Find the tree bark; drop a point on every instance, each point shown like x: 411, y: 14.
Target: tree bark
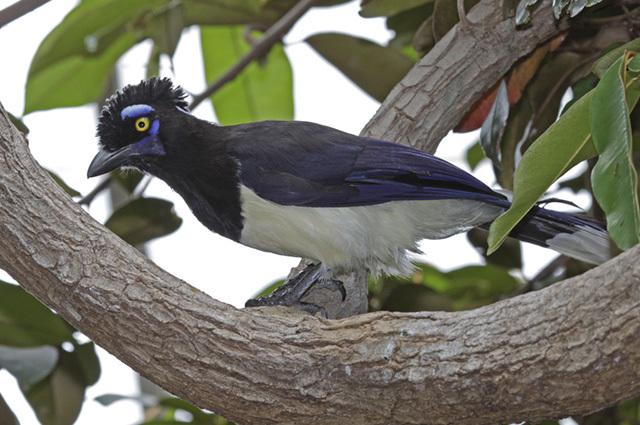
x: 570, y: 349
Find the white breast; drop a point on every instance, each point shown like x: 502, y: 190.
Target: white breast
x: 376, y: 236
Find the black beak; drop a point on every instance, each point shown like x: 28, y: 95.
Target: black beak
x: 106, y: 161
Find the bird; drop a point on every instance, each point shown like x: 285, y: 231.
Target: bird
x: 307, y: 190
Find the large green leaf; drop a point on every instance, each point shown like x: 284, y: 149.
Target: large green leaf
x: 28, y: 365
x: 89, y: 30
x: 228, y: 12
x: 57, y: 399
x: 374, y: 68
x: 144, y: 219
x: 604, y: 63
x: 25, y: 322
x: 75, y: 80
x: 614, y: 179
x: 264, y: 90
x: 88, y: 362
x: 565, y: 143
x: 371, y: 8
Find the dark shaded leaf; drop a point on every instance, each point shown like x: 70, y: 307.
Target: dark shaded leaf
x: 474, y: 155
x: 25, y: 322
x: 263, y: 91
x: 412, y: 297
x: 371, y: 8
x: 166, y: 28
x: 361, y: 60
x: 88, y: 361
x: 493, y: 127
x: 198, y: 415
x: 445, y: 15
x: 614, y: 179
x: 144, y: 219
x: 109, y: 399
x: 128, y: 179
x: 406, y: 23
x: 28, y: 365
x: 18, y: 123
x: 68, y: 189
x: 509, y: 255
x: 231, y: 12
x: 57, y: 399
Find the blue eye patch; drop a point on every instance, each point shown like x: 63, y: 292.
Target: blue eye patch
x: 136, y: 111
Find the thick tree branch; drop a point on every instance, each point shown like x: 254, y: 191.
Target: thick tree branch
x: 570, y: 349
x: 434, y: 96
x: 567, y: 350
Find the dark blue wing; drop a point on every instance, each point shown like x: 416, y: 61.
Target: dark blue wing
x: 306, y: 164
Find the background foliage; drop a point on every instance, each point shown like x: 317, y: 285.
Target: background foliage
x: 528, y: 133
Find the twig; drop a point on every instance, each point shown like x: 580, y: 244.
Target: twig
x: 88, y: 198
x: 262, y: 46
x: 19, y: 9
x: 462, y: 15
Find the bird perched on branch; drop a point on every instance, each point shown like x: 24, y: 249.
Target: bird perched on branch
x: 306, y: 190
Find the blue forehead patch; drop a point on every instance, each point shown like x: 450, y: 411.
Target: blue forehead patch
x: 136, y: 111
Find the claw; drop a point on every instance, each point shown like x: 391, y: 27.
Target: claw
x: 292, y: 292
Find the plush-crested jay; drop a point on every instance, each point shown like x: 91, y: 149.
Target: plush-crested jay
x: 306, y: 190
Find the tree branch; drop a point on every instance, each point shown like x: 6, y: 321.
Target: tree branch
x: 19, y: 9
x: 261, y: 47
x: 569, y: 349
x: 436, y: 94
x: 566, y: 350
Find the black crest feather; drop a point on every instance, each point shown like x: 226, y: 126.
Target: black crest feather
x: 155, y: 91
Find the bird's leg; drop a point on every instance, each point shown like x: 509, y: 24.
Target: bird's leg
x: 292, y: 292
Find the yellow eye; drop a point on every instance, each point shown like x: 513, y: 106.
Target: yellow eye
x: 142, y: 124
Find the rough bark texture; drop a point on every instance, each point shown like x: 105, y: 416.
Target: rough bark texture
x: 438, y: 91
x: 434, y: 96
x: 567, y: 350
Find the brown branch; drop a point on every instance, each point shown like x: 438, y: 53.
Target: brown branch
x: 261, y: 47
x: 570, y: 349
x: 434, y: 96
x: 19, y: 9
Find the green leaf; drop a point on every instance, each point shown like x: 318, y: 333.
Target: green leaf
x: 87, y: 359
x: 229, y: 12
x: 371, y: 8
x: 144, y: 219
x: 129, y: 179
x: 509, y: 255
x: 474, y: 155
x: 68, y: 189
x: 543, y: 163
x: 494, y: 125
x: 605, y: 61
x: 25, y: 322
x: 75, y: 80
x: 263, y: 91
x: 445, y: 15
x: 57, y: 399
x: 18, y: 123
x: 166, y: 28
x: 176, y: 403
x: 614, y: 179
x: 109, y: 399
x: 28, y: 365
x: 362, y: 61
x: 89, y: 30
x: 547, y: 159
x: 475, y: 282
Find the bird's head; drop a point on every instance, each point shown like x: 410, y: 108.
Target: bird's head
x: 130, y: 124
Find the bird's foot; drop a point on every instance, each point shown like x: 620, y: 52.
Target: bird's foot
x: 291, y: 293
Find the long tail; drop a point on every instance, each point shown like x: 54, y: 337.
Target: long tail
x: 575, y: 236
